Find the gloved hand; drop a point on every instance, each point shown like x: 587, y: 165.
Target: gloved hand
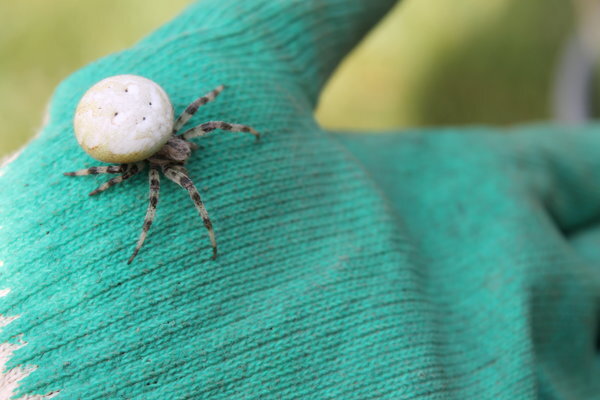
x: 449, y: 264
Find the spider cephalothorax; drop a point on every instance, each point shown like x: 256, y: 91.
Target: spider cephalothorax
x: 128, y: 119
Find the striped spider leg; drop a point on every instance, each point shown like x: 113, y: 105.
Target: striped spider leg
x: 206, y: 127
x: 210, y: 126
x: 171, y: 160
x: 154, y: 181
x: 126, y: 171
x: 180, y: 176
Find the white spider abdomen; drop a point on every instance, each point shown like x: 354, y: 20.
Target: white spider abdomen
x: 123, y: 119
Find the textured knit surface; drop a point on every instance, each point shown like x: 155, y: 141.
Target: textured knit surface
x: 451, y: 264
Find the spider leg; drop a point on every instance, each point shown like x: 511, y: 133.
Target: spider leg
x: 210, y: 126
x: 130, y: 170
x: 109, y: 169
x: 192, y: 108
x: 154, y: 178
x: 179, y: 175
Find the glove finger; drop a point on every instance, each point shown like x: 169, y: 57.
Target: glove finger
x: 308, y: 38
x: 585, y: 242
x: 562, y: 168
x: 555, y: 166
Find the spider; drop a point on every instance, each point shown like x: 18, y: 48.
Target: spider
x: 128, y: 119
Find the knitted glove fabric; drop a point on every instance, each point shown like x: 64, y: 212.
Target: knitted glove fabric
x: 454, y: 264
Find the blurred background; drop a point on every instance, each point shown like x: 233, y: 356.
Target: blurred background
x: 428, y: 63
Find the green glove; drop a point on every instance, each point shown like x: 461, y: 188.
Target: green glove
x: 430, y: 265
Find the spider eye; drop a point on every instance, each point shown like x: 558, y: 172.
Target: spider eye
x: 107, y: 120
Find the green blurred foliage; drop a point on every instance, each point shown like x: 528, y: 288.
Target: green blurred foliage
x: 502, y: 74
x: 428, y: 63
x: 459, y: 62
